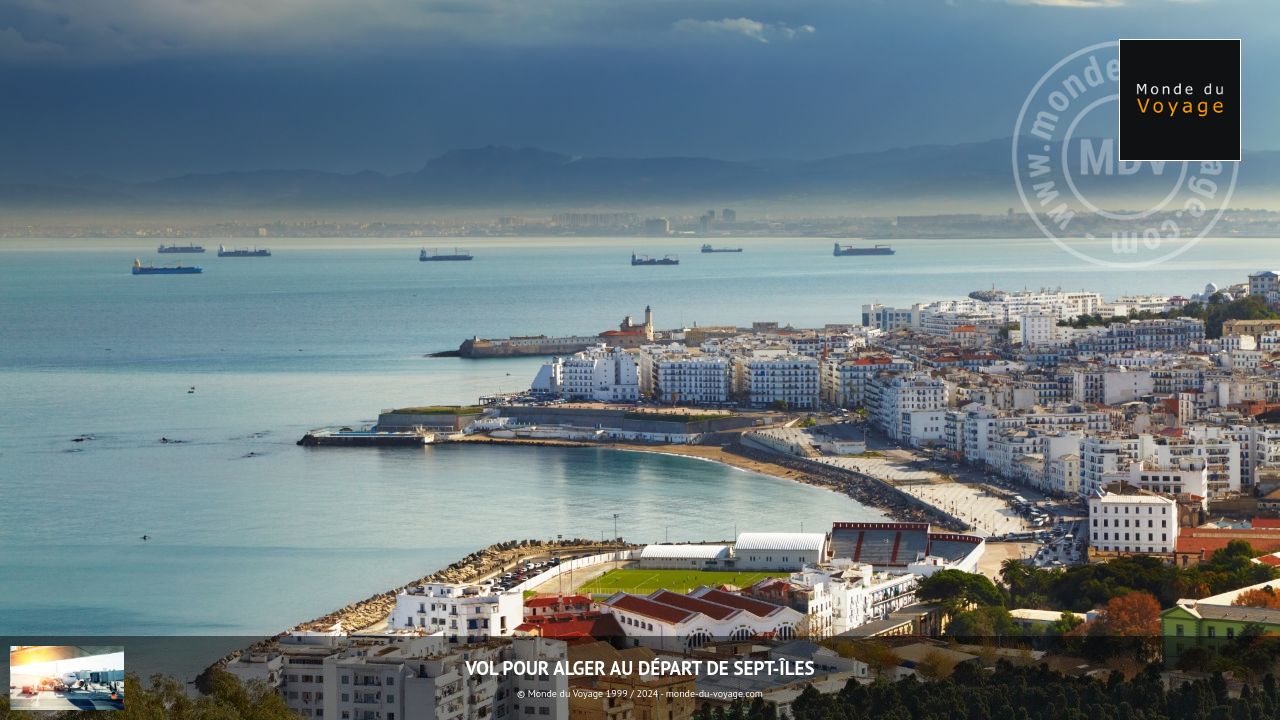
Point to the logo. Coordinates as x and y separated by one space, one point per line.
1082 196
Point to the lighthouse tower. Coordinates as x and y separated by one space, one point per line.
648 322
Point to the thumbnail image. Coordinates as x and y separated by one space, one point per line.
66 677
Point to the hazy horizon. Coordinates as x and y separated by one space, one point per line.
147 89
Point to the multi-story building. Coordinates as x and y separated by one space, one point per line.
394 677
599 373
844 379
1110 385
1158 334
1102 455
1133 523
1039 328
1221 458
778 380
462 613
909 406
888 319
1265 284
677 376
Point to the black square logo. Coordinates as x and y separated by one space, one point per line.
1180 100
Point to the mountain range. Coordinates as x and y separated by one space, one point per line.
495 176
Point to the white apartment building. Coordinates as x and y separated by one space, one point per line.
1133 523
892 400
393 677
1102 455
1265 283
887 319
599 373
1038 329
860 595
844 379
1220 456
1062 474
1187 476
1159 334
771 380
1110 385
397 685
694 379
462 613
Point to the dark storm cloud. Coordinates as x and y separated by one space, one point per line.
141 88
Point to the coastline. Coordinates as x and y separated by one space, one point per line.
371 612
866 490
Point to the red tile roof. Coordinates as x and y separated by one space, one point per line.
759 608
648 608
600 626
553 600
712 610
1210 540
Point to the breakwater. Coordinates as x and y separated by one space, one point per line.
494 559
864 488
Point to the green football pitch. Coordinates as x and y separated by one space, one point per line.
643 582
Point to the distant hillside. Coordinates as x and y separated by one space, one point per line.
502 176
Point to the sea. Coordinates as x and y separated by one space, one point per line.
189 392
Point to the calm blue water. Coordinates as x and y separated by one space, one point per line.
330 332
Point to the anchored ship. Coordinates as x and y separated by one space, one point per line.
842 250
179 249
224 252
646 260
149 269
708 249
437 256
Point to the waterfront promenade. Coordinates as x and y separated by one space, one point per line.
986 512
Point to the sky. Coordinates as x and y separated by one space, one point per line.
143 89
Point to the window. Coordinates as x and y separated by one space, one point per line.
1213 631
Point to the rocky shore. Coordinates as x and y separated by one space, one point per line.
863 488
477 566
492 560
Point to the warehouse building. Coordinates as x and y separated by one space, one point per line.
779 551
684 557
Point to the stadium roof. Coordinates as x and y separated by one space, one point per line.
780 541
682 552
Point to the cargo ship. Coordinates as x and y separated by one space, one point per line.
646 260
224 252
708 249
842 250
436 256
149 269
180 249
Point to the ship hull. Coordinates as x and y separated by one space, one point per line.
445 258
236 253
168 271
181 250
864 251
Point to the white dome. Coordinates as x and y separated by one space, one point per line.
1210 289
